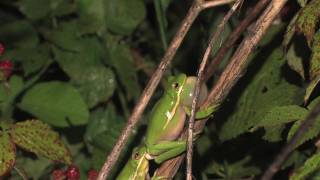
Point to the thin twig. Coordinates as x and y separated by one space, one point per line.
214 3
199 81
282 156
230 76
234 36
149 90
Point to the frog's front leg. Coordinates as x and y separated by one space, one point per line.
202 113
165 150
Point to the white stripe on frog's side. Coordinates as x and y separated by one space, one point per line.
175 107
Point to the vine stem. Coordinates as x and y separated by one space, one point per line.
234 70
196 92
284 153
233 37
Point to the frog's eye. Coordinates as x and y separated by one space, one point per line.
175 86
136 156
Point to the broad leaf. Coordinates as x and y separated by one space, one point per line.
7 153
28 36
34 9
37 137
120 58
311 165
97 85
92 12
279 115
123 16
313 84
56 103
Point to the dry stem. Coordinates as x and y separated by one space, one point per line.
198 85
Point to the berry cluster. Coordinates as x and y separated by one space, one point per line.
72 173
6 65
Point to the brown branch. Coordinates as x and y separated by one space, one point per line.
149 90
199 81
234 36
282 156
230 76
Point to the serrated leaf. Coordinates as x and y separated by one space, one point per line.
311 165
311 87
56 103
7 153
266 90
273 133
120 58
28 36
37 137
308 19
315 57
123 16
313 131
295 61
280 115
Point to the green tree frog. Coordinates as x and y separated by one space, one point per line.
167 120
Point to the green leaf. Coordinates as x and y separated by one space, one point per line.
34 9
311 165
120 58
97 85
76 63
267 89
123 16
104 124
32 59
313 131
94 13
280 115
308 20
65 36
9 94
313 84
273 133
37 137
295 61
19 33
56 103
315 57
7 153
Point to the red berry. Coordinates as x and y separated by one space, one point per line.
92 174
73 173
6 67
2 48
58 174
